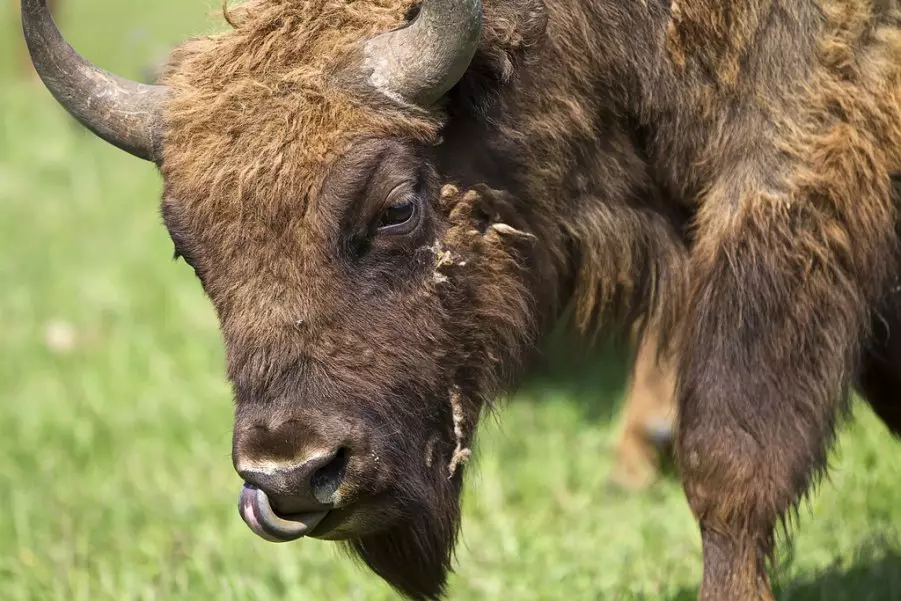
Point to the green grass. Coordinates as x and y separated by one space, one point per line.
115 479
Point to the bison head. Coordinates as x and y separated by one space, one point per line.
369 306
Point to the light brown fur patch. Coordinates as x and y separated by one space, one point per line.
258 113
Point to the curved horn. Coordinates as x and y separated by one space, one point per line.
122 112
420 62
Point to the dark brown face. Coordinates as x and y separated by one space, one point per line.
368 308
363 333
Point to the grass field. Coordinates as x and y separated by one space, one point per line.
115 476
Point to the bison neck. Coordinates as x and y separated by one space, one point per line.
566 136
616 118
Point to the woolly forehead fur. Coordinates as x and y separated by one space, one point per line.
256 114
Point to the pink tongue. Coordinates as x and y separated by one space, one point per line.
250 511
254 507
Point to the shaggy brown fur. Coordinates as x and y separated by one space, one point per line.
607 154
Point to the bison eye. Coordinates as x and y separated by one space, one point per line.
399 218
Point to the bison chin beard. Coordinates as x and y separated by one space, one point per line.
415 555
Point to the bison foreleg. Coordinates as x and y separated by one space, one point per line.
779 312
649 417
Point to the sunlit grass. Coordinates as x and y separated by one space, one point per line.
115 418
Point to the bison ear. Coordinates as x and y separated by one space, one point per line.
471 207
495 208
486 208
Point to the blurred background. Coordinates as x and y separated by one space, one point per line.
115 417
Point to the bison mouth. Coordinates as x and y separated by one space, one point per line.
258 513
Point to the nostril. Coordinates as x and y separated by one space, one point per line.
327 479
298 486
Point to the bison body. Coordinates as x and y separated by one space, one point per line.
390 205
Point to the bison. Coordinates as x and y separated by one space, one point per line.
390 203
649 418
